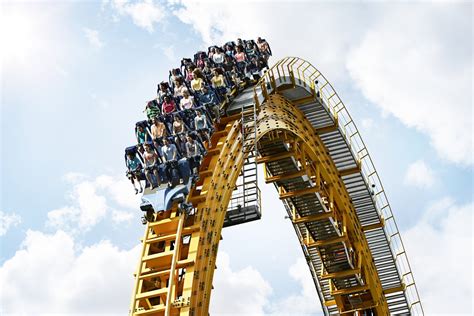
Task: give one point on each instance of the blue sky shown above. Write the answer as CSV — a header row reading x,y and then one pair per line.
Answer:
x,y
75,78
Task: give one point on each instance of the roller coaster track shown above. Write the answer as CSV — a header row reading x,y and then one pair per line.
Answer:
x,y
313,153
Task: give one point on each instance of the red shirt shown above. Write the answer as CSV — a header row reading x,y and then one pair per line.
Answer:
x,y
240,57
168,107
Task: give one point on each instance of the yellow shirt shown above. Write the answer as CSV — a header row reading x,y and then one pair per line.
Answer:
x,y
218,81
196,84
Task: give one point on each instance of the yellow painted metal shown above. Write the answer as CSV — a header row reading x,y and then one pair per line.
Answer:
x,y
285,176
285,195
340,274
275,157
218,175
350,171
394,289
217,188
321,243
313,218
138,273
374,226
358,289
327,129
171,291
330,303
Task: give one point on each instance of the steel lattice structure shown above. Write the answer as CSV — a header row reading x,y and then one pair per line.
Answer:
x,y
294,123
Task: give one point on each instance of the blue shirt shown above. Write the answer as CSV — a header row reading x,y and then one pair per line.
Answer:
x,y
208,98
169,152
133,164
141,137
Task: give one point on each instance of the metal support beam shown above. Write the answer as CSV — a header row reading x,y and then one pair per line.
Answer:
x,y
290,194
351,290
327,242
173,276
267,159
313,218
285,176
327,129
340,274
391,290
373,226
349,171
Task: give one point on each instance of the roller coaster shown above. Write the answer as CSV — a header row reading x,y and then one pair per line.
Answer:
x,y
291,121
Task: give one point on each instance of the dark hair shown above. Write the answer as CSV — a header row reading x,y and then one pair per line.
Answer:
x,y
197,73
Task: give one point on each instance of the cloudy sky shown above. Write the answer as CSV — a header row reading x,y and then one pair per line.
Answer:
x,y
74,79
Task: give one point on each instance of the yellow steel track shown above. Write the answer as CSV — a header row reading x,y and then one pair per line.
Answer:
x,y
175,273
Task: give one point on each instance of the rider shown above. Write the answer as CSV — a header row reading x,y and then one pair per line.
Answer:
x,y
134,167
218,82
263,47
198,80
178,125
169,150
152,110
186,105
151,165
158,129
170,154
208,99
200,122
187,102
141,134
193,153
179,87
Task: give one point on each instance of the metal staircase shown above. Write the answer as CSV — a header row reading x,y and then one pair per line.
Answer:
x,y
245,205
307,89
249,169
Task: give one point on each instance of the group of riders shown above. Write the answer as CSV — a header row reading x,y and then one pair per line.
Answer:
x,y
180,121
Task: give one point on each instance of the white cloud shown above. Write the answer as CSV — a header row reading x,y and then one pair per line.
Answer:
x,y
118,189
144,14
56,277
93,37
325,42
420,175
440,252
87,210
119,217
367,124
91,201
420,71
246,292
169,53
303,303
242,292
8,221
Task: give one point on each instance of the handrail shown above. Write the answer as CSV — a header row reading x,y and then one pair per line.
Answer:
x,y
331,100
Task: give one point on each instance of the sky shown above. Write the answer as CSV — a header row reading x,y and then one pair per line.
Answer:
x,y
75,76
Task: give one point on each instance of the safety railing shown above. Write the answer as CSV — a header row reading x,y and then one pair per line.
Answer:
x,y
296,71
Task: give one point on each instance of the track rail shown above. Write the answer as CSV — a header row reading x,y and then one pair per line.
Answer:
x,y
300,73
314,155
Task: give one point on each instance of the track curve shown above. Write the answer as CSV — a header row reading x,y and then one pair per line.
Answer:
x,y
302,139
